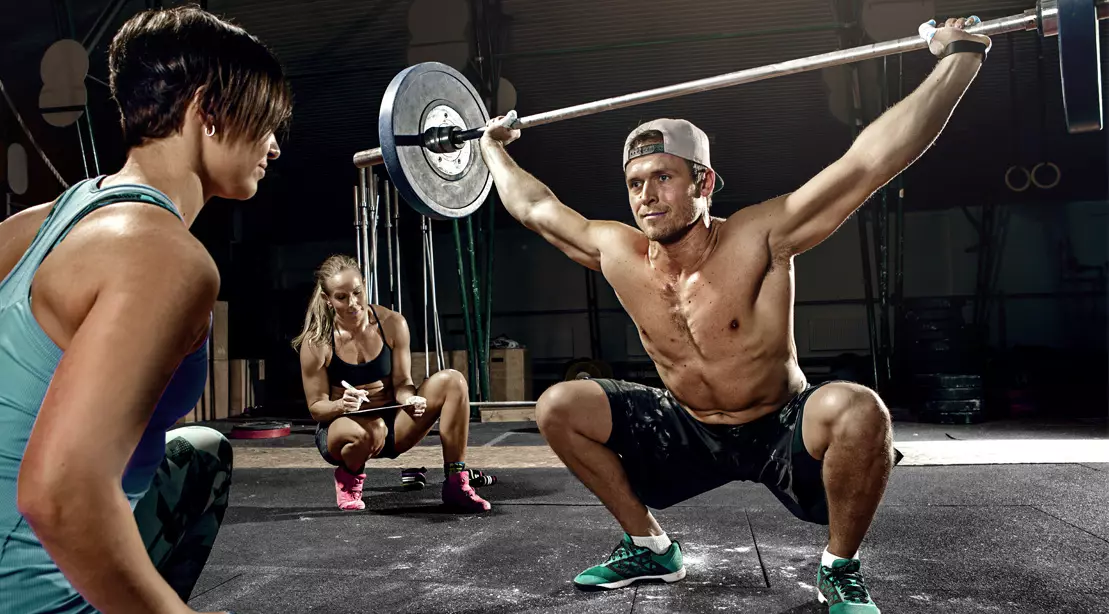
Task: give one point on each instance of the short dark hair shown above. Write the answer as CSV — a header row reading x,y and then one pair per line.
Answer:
x,y
650,137
160,59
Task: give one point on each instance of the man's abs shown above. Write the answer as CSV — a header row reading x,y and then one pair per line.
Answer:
x,y
734,389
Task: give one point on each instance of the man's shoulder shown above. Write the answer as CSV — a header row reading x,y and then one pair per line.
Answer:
x,y
753,220
616,234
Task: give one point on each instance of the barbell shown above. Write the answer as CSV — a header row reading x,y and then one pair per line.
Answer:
x,y
430,112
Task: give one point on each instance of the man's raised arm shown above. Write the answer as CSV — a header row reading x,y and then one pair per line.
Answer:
x,y
534,205
801,220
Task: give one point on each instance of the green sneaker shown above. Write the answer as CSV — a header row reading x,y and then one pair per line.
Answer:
x,y
843,589
629,563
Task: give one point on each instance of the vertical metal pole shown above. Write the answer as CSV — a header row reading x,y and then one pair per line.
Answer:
x,y
868,291
464,292
440,355
375,209
81,142
396,239
593,314
489,251
388,198
479,339
424,266
366,271
92,140
358,227
881,228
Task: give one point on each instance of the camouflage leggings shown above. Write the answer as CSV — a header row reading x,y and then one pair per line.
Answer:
x,y
181,513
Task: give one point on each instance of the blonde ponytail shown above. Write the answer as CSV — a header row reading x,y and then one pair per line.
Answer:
x,y
319,320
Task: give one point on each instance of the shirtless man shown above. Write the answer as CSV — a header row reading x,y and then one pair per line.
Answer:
x,y
713,301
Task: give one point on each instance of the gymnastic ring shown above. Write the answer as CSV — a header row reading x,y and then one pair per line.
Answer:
x,y
1009,180
1043,186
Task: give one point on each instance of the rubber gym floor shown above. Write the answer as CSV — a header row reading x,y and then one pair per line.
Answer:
x,y
996,517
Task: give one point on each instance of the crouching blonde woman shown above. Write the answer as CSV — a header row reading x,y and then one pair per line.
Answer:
x,y
346,340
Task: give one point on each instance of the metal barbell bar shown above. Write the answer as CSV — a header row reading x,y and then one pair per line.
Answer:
x,y
474,404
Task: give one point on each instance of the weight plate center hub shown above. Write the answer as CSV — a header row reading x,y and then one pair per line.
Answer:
x,y
438,120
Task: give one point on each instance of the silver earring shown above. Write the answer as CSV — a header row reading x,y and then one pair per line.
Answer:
x,y
210,130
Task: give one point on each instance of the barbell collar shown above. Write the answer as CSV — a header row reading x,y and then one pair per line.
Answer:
x,y
1047,16
442,139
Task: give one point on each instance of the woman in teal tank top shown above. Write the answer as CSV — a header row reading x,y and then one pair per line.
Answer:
x,y
105,304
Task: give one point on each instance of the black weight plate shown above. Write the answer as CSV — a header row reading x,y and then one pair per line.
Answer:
x,y
951,394
952,407
948,380
440,186
1080,65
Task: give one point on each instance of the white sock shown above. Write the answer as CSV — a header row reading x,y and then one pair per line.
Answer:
x,y
830,558
657,543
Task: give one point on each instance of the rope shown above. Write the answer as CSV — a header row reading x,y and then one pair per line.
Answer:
x,y
31,138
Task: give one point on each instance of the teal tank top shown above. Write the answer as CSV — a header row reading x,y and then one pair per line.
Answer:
x,y
30,582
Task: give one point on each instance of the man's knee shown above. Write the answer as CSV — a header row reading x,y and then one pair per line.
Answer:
x,y
562,406
852,407
845,412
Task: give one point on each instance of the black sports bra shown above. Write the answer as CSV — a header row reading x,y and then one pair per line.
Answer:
x,y
372,370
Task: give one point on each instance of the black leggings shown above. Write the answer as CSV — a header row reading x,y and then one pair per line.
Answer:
x,y
181,514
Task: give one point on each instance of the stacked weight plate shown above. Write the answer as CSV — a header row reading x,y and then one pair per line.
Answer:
x,y
936,336
949,398
946,388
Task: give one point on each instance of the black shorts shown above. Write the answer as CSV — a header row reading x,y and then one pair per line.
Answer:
x,y
669,456
388,451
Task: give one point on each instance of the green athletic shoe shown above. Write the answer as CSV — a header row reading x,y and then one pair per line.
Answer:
x,y
843,589
629,563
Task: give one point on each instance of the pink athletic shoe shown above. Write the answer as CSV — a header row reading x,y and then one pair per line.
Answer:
x,y
458,494
348,490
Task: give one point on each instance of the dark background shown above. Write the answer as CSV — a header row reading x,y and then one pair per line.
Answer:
x,y
768,138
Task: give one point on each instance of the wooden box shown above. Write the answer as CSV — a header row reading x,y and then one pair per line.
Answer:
x,y
510,375
456,359
218,341
220,378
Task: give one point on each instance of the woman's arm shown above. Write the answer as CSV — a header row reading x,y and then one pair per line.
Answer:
x,y
313,375
155,298
403,386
